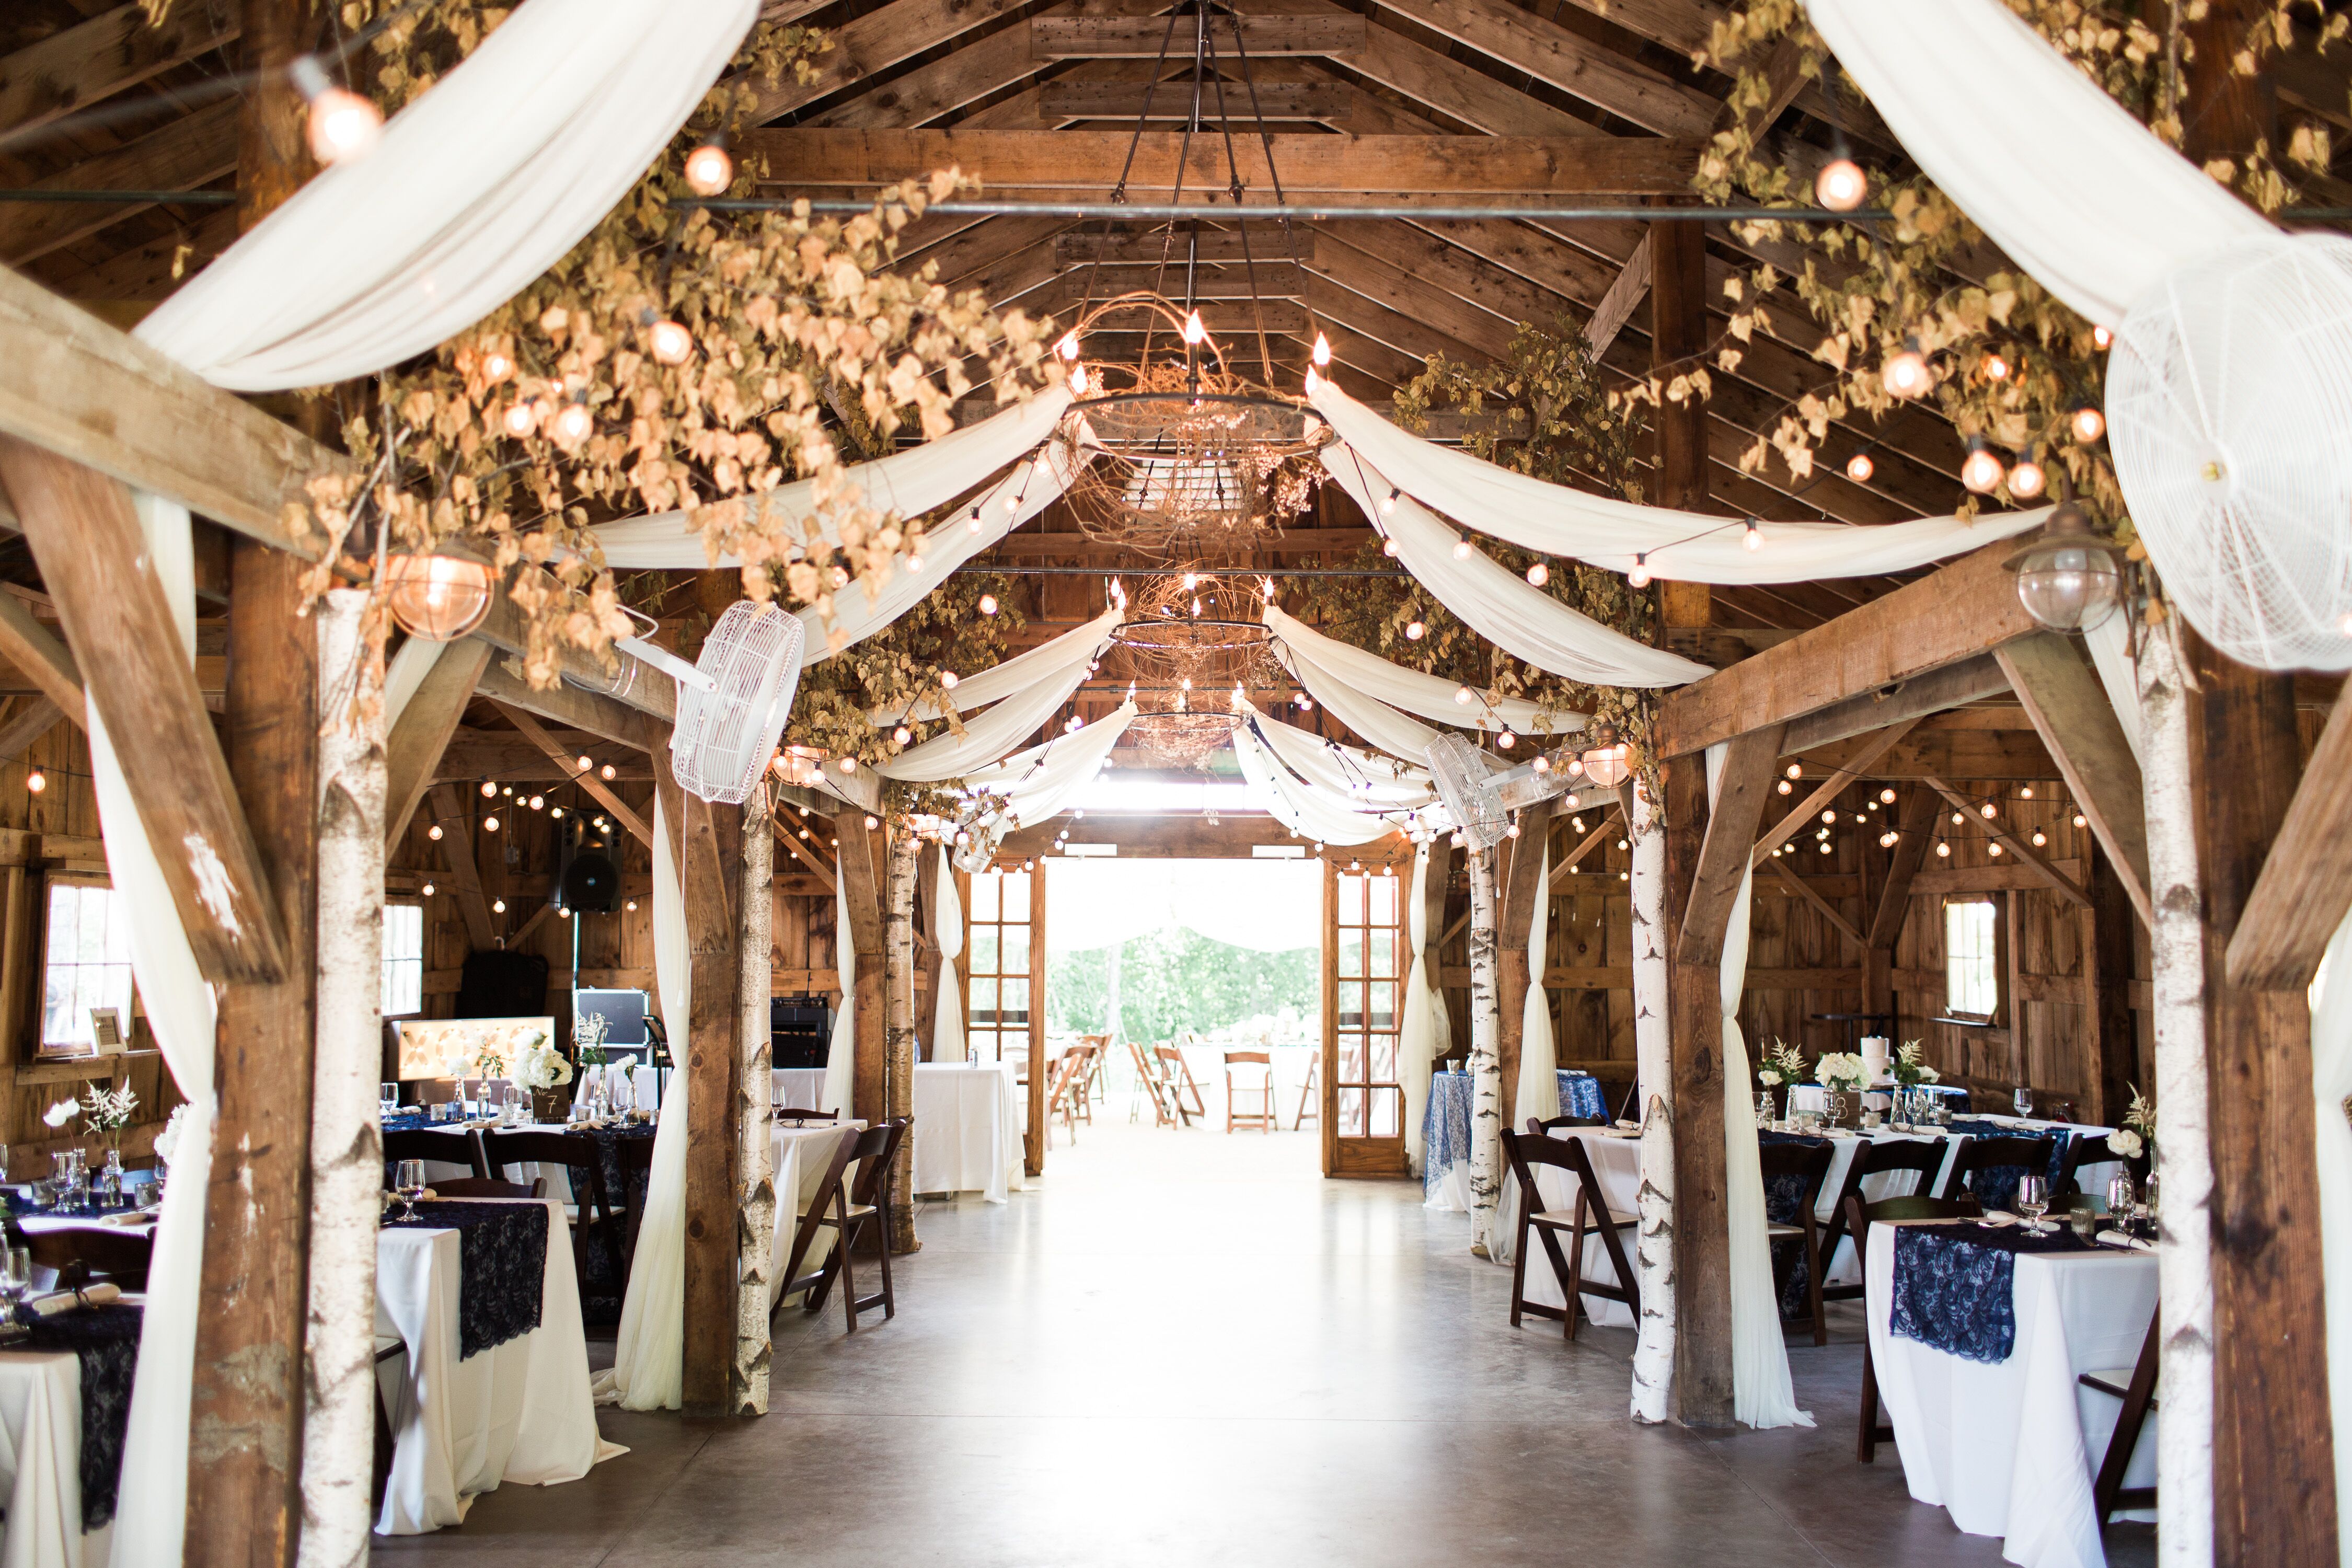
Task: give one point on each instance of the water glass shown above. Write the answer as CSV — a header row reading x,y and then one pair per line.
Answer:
x,y
1764,1107
387,1099
408,1183
2023,1101
2033,1198
2122,1197
110,1180
16,1275
71,1172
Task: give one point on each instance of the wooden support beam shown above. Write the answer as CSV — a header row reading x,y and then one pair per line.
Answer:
x,y
1828,912
1151,38
2106,943
1272,101
457,825
807,856
1969,681
2305,885
2076,720
712,841
413,752
188,153
95,559
1088,247
1526,41
1723,860
1522,886
1920,809
36,718
1309,164
35,649
641,692
75,67
1703,1391
860,871
584,777
1617,305
2027,856
1827,791
1584,846
1966,608
869,44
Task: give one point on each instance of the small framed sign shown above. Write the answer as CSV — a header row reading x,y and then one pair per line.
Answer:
x,y
106,1031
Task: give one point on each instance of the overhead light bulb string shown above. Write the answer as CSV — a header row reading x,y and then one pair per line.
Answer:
x,y
1274,177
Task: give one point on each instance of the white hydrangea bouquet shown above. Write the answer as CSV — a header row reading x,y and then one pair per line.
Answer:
x,y
1911,1069
2137,1135
541,1065
1839,1071
1783,1064
167,1141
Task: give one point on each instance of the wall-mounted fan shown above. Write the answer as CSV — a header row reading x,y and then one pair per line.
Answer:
x,y
725,734
1479,797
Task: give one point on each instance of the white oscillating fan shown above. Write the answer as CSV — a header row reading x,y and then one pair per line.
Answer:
x,y
724,735
1478,796
2230,415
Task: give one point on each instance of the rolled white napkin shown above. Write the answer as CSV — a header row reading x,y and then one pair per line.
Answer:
x,y
56,1301
1997,1217
2117,1238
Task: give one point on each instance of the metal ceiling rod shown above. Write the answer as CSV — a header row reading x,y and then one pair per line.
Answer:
x,y
1304,212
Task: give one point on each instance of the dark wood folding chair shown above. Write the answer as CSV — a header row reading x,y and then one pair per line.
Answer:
x,y
455,1146
2086,1149
2136,1386
1266,1118
1923,1155
592,1211
118,1257
1979,1155
1185,1092
488,1187
388,1347
1810,1163
796,1113
812,1222
1590,1213
1860,1217
1542,1126
858,1203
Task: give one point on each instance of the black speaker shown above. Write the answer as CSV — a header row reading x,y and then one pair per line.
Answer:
x,y
500,985
800,1031
586,880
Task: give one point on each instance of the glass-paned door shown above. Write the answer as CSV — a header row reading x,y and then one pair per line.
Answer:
x,y
1364,966
1004,983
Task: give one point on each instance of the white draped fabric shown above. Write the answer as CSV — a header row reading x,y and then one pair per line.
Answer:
x,y
404,672
1349,772
947,1017
1426,695
2331,1086
2100,245
648,1354
1018,673
2110,650
1501,606
1300,805
908,483
1761,1395
1417,1030
477,188
1044,684
1538,1093
1040,783
1375,720
179,1008
840,1051
1557,520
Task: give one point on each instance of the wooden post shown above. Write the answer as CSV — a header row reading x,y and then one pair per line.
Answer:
x,y
756,1202
1034,1154
1678,337
905,857
246,1412
1703,1388
346,1147
2107,940
870,1094
1485,1069
2274,1454
711,854
1916,827
1654,1349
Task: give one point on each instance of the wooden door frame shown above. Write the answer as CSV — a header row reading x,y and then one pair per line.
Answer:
x,y
1367,1155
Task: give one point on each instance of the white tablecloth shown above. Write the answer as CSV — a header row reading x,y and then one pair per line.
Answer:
x,y
642,1084
2012,1448
517,1412
40,1464
967,1123
797,1158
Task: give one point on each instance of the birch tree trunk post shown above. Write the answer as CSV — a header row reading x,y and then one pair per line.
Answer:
x,y
346,1146
756,1202
1485,1060
2184,1438
903,861
1654,1257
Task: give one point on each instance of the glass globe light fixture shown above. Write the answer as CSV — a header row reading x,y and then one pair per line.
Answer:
x,y
438,598
2068,579
1607,761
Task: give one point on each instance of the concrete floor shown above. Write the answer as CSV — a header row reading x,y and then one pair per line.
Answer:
x,y
1189,1349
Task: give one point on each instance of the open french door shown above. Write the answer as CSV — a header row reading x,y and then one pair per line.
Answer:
x,y
1364,965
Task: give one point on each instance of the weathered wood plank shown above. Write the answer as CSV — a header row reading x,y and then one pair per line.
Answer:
x,y
2032,859
585,778
1702,1383
2076,720
188,153
1273,101
1827,790
2305,885
1151,37
1575,64
77,66
1722,864
710,1062
35,649
413,751
581,701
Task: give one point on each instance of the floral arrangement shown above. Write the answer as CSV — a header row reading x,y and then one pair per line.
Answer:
x,y
105,1113
62,1113
1840,1069
1910,1069
588,1032
541,1065
1783,1064
167,1141
2137,1135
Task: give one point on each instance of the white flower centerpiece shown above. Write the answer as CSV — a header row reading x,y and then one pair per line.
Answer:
x,y
1782,1065
540,1068
1840,1073
105,1113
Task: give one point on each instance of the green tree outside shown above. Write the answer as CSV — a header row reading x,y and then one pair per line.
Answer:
x,y
1175,980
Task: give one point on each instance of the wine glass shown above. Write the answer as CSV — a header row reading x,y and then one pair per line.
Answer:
x,y
16,1276
1764,1107
2023,1101
387,1099
408,1183
2033,1198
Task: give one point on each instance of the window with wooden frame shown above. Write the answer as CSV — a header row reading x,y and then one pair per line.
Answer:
x,y
85,961
1972,957
997,966
1367,974
404,959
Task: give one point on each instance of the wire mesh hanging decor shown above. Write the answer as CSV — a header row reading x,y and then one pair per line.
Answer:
x,y
1195,639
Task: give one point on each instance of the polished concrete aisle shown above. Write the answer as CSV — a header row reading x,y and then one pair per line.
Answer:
x,y
1188,1349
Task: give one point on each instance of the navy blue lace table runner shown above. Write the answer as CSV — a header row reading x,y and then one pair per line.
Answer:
x,y
105,1340
607,1275
1445,1127
1995,1186
1954,1285
502,1266
1580,1094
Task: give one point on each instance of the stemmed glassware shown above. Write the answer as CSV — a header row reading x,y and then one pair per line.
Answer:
x,y
387,1099
408,1184
2023,1101
1764,1107
15,1277
2033,1198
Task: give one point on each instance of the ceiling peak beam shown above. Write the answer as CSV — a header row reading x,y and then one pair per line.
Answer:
x,y
1570,62
1231,100
1151,38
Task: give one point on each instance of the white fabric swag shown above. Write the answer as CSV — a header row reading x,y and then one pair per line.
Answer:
x,y
1557,520
1039,783
1406,739
648,1355
1408,689
1299,804
1538,1090
1348,773
1499,603
1020,671
478,187
1033,689
179,1006
1980,100
947,925
1418,1029
1761,1393
840,1051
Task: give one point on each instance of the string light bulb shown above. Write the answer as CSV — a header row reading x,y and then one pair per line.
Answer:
x,y
1980,470
902,735
1078,380
1505,740
538,802
1195,332
1539,575
2079,821
496,364
434,832
1993,849
1888,796
521,418
670,341
1943,849
1787,788
37,781
2087,423
608,772
1068,345
1859,468
988,603
1841,186
2028,478
1461,549
342,125
1888,839
497,906
1753,535
1994,367
1904,374
1388,506
947,680
1465,696
2101,338
710,170
574,424
1640,575
847,764
972,522
489,824
1389,548
427,890
1988,810
1322,351
2040,838
488,789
